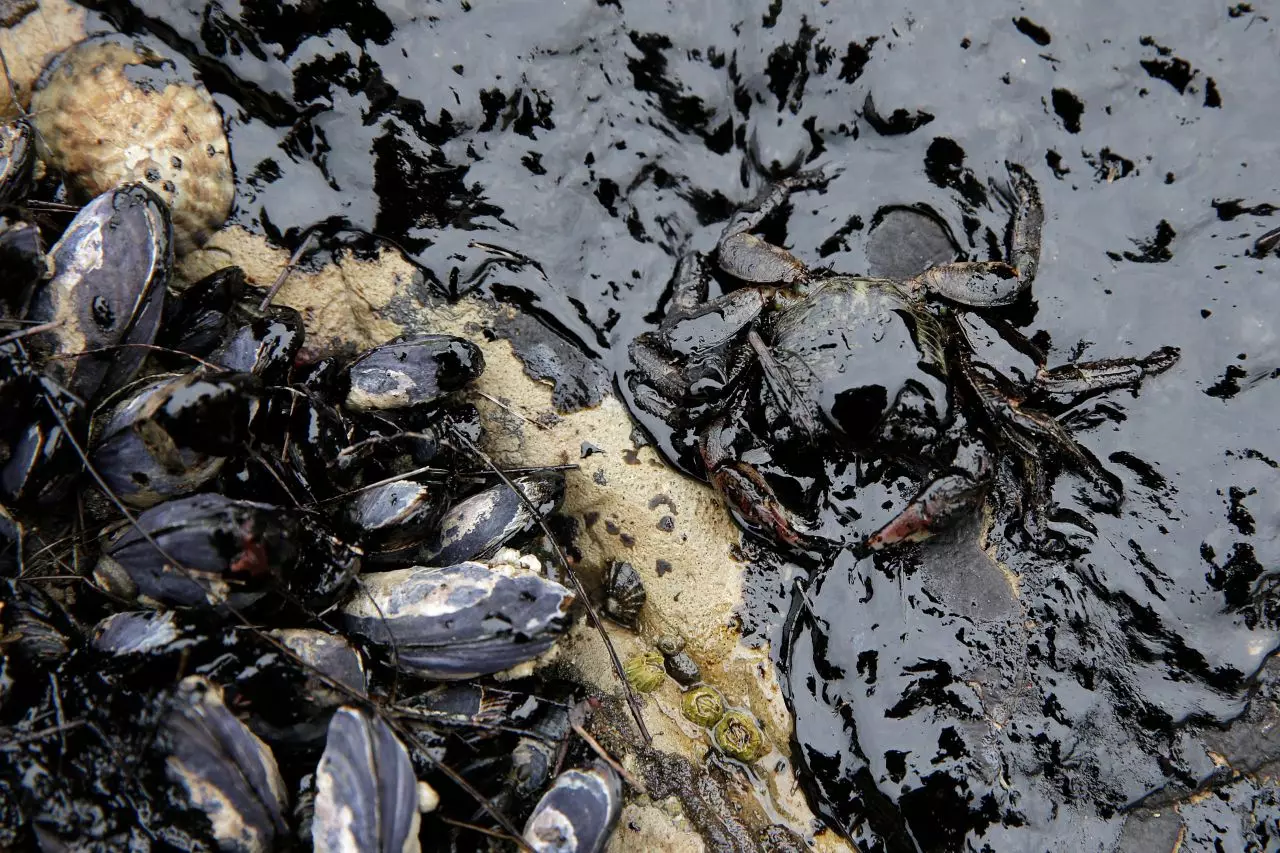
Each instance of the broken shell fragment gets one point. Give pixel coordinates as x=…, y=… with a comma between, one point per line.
x=225, y=770
x=645, y=671
x=457, y=622
x=110, y=109
x=367, y=798
x=578, y=813
x=413, y=372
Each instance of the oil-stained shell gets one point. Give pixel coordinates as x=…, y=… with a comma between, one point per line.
x=172, y=436
x=683, y=668
x=477, y=527
x=394, y=516
x=232, y=552
x=17, y=159
x=266, y=346
x=43, y=462
x=624, y=594
x=110, y=271
x=413, y=372
x=458, y=622
x=110, y=109
x=21, y=263
x=226, y=771
x=366, y=795
x=738, y=736
x=578, y=813
x=195, y=320
x=331, y=655
x=703, y=705
x=645, y=671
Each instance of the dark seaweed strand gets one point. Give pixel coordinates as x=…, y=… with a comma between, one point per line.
x=632, y=702
x=355, y=697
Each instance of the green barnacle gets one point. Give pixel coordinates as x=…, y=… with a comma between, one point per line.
x=738, y=736
x=645, y=671
x=703, y=705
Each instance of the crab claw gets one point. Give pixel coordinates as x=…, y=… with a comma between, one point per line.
x=756, y=506
x=936, y=508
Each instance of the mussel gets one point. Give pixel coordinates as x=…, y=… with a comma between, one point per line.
x=408, y=373
x=212, y=550
x=478, y=526
x=460, y=621
x=110, y=272
x=225, y=770
x=367, y=798
x=578, y=813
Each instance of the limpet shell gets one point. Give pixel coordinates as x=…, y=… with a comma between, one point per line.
x=624, y=594
x=110, y=110
x=645, y=671
x=702, y=705
x=738, y=736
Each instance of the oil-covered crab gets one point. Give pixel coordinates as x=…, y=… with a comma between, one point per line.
x=808, y=366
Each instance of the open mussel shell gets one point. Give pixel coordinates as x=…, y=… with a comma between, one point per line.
x=228, y=552
x=457, y=622
x=366, y=794
x=223, y=768
x=110, y=272
x=478, y=526
x=171, y=437
x=578, y=813
x=413, y=372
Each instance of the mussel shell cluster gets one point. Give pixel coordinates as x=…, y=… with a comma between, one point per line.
x=277, y=548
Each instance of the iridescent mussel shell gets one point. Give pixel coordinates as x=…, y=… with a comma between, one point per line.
x=366, y=795
x=478, y=526
x=225, y=771
x=196, y=320
x=578, y=813
x=624, y=594
x=457, y=622
x=645, y=671
x=266, y=346
x=111, y=109
x=109, y=275
x=411, y=372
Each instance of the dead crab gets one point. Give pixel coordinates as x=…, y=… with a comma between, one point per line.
x=877, y=367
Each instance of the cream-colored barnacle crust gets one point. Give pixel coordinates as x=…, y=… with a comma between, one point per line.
x=428, y=799
x=101, y=126
x=397, y=394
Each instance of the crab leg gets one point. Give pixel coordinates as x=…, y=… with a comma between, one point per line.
x=942, y=501
x=1091, y=376
x=750, y=258
x=749, y=497
x=782, y=388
